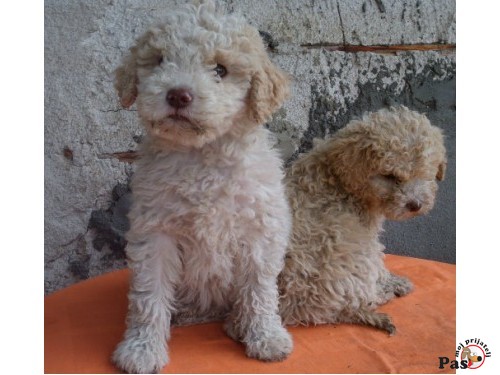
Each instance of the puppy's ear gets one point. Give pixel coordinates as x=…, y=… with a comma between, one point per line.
x=441, y=171
x=126, y=80
x=268, y=91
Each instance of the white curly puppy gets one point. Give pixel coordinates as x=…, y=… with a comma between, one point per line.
x=382, y=166
x=210, y=222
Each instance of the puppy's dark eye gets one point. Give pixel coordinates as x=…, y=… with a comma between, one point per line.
x=392, y=178
x=220, y=70
x=160, y=60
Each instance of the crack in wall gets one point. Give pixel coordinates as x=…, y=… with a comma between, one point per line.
x=341, y=24
x=380, y=6
x=394, y=48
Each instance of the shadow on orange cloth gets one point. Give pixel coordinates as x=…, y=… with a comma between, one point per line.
x=84, y=322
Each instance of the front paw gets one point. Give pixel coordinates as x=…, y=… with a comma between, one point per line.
x=140, y=355
x=274, y=344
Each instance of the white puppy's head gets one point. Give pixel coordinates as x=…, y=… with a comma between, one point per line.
x=391, y=160
x=200, y=75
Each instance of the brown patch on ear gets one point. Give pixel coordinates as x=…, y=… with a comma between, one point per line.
x=126, y=80
x=269, y=89
x=441, y=171
x=353, y=157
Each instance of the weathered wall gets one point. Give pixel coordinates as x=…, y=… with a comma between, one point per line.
x=88, y=136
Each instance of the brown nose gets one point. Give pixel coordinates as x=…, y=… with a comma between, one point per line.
x=179, y=98
x=413, y=206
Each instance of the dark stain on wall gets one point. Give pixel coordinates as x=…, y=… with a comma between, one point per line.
x=111, y=224
x=423, y=92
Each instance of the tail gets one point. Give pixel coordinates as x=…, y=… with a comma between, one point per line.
x=374, y=319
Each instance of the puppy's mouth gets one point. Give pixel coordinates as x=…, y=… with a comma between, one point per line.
x=178, y=117
x=179, y=121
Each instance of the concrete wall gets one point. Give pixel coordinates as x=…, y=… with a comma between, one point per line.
x=88, y=136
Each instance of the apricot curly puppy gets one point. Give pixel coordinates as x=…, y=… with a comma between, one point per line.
x=210, y=222
x=382, y=166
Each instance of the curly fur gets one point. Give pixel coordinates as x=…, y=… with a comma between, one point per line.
x=384, y=165
x=209, y=220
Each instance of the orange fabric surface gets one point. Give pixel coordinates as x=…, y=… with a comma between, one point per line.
x=84, y=322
